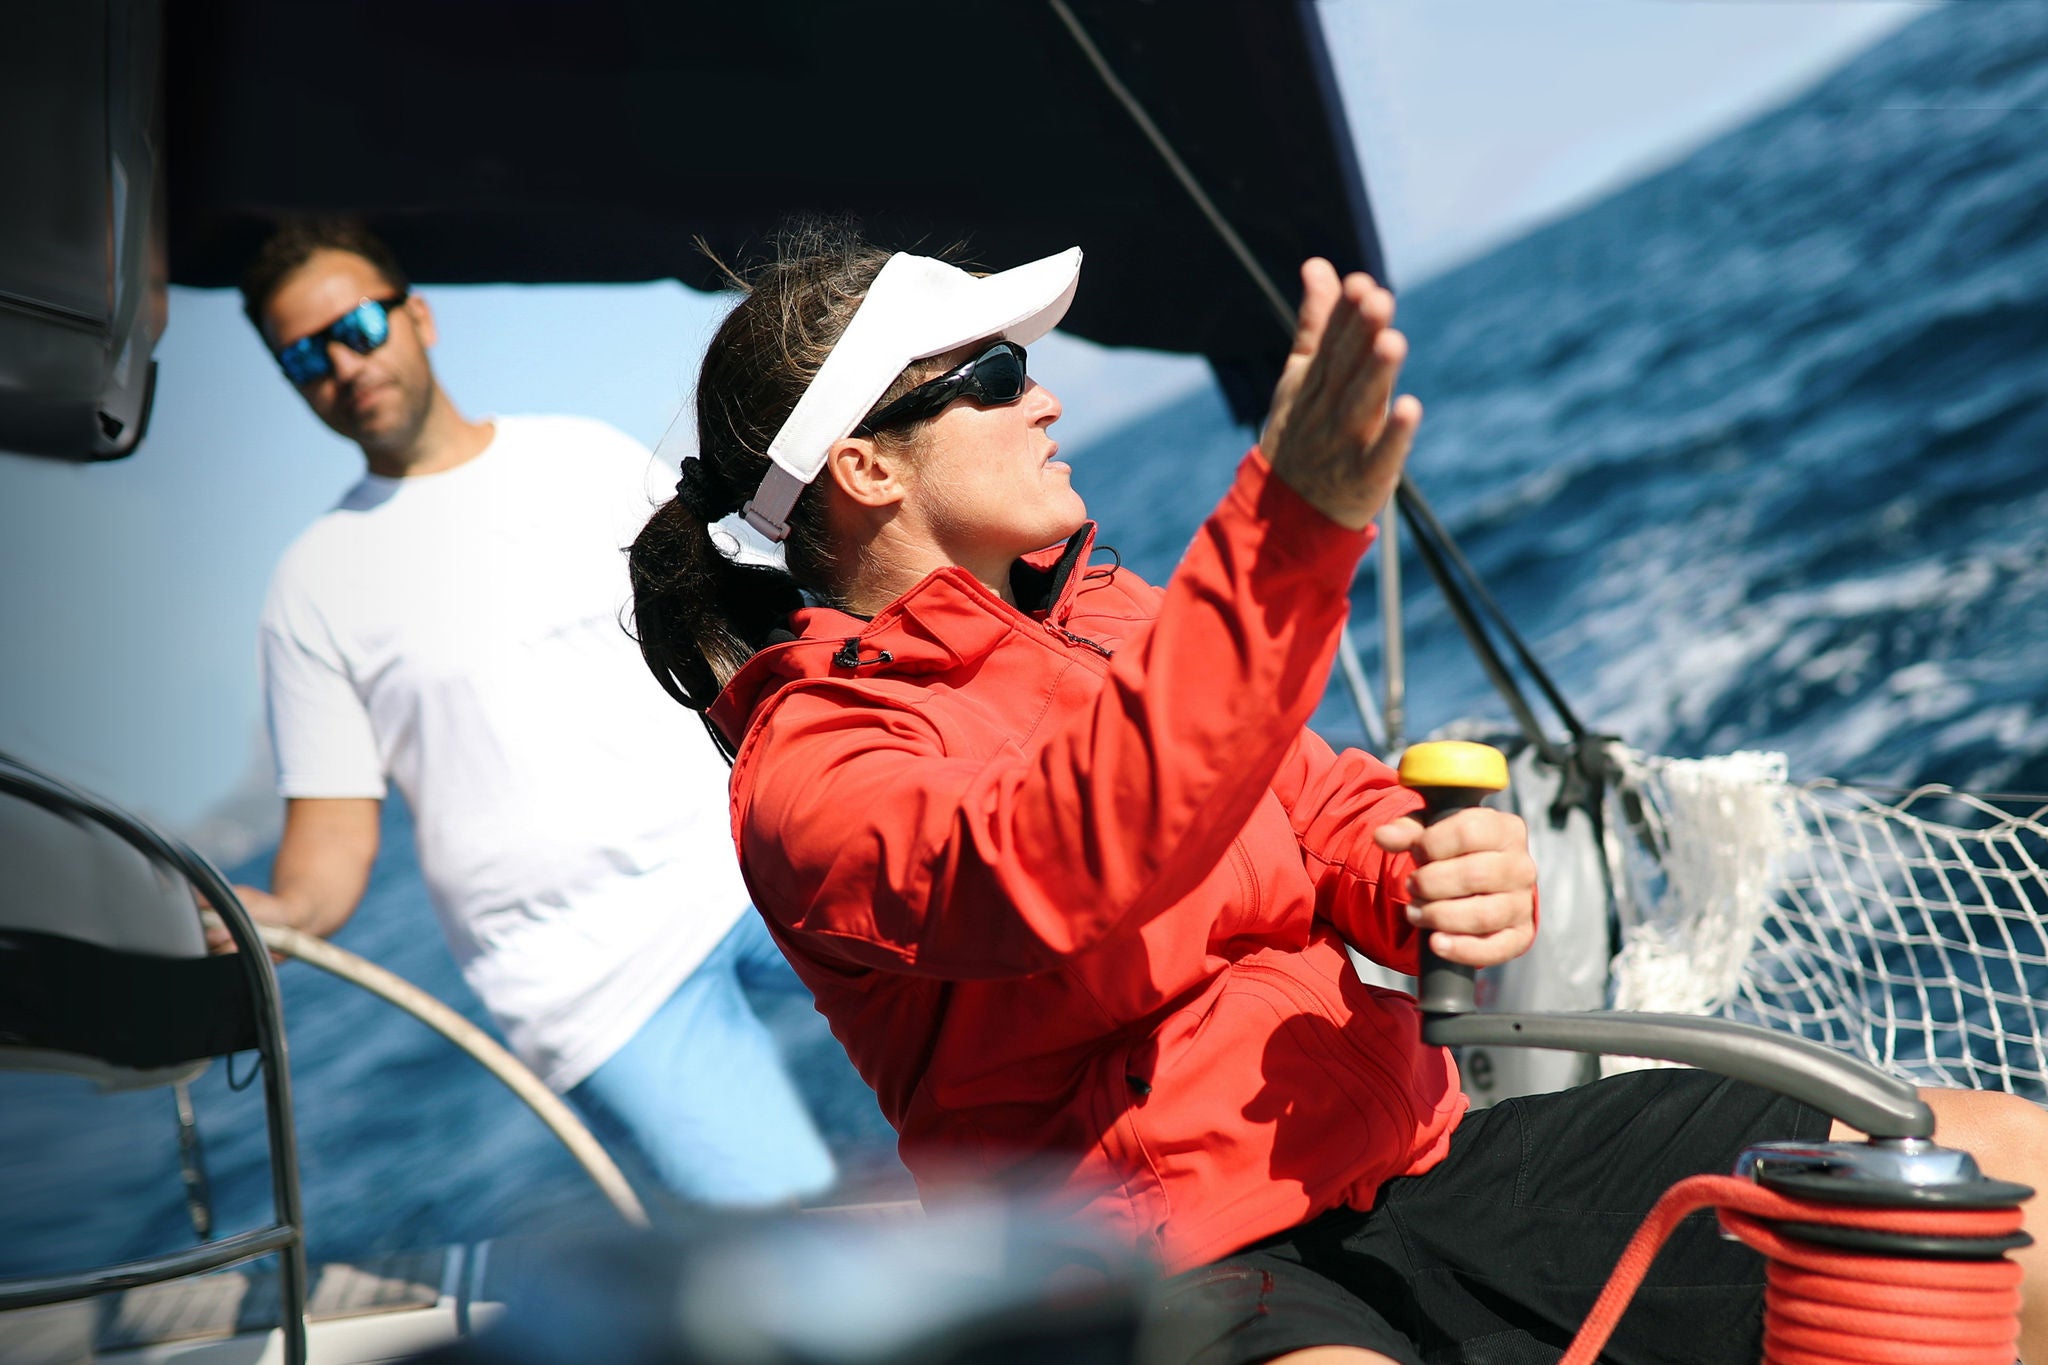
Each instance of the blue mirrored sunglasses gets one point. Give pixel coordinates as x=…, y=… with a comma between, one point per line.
x=362, y=329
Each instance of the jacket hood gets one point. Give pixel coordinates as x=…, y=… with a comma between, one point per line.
x=948, y=619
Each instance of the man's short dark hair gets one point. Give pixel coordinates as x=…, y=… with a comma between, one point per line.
x=293, y=244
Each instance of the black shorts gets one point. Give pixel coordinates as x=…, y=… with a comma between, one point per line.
x=1496, y=1255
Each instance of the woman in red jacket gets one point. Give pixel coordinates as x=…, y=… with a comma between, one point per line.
x=1070, y=878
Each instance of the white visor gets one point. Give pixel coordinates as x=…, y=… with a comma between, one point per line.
x=917, y=307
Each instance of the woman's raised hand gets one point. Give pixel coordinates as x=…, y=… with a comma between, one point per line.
x=1336, y=434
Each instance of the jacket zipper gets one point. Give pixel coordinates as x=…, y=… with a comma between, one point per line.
x=849, y=655
x=1082, y=640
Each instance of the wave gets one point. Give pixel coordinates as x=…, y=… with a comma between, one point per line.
x=1755, y=450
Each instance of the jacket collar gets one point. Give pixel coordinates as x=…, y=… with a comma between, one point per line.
x=1045, y=581
x=948, y=619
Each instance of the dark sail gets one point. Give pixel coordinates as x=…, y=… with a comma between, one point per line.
x=548, y=142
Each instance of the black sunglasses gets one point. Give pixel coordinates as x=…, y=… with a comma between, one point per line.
x=994, y=377
x=362, y=329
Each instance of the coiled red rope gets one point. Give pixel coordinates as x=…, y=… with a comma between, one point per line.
x=1825, y=1307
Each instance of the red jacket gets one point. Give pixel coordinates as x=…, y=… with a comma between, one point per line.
x=1071, y=884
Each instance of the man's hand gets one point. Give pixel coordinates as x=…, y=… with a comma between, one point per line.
x=322, y=865
x=1336, y=435
x=263, y=907
x=1474, y=886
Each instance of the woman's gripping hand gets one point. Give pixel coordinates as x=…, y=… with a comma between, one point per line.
x=1473, y=890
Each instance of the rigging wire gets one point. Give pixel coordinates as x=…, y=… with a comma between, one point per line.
x=1380, y=731
x=1418, y=509
x=1421, y=519
x=1383, y=730
x=1489, y=658
x=1180, y=170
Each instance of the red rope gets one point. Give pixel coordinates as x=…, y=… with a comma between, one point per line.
x=1826, y=1307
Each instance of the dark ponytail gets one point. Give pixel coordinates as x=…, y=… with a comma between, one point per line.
x=698, y=614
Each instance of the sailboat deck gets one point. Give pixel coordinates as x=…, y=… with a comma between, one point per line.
x=240, y=1302
x=232, y=1302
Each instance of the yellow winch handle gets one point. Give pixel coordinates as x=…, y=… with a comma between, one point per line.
x=1453, y=763
x=1451, y=774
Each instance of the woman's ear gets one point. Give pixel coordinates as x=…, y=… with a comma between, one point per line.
x=867, y=474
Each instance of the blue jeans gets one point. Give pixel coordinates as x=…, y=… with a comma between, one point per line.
x=700, y=1094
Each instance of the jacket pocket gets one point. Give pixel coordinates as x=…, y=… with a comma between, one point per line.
x=1355, y=1043
x=1121, y=1090
x=1262, y=1081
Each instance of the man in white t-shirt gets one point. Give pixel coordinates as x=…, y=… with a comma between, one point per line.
x=453, y=627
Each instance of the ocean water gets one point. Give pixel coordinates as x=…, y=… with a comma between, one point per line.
x=403, y=1142
x=1755, y=452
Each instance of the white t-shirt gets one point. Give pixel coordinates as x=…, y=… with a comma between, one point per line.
x=460, y=633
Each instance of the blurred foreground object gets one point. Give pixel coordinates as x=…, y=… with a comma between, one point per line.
x=104, y=974
x=981, y=1283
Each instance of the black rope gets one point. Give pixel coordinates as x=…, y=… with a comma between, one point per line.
x=1417, y=510
x=248, y=1080
x=1482, y=646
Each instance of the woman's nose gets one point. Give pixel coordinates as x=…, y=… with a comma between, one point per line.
x=1045, y=404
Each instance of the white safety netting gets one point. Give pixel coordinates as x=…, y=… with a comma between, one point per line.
x=1912, y=932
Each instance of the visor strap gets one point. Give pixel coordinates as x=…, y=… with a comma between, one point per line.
x=769, y=509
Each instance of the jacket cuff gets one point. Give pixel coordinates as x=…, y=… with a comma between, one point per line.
x=1289, y=532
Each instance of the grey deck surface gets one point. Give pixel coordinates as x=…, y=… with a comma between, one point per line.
x=234, y=1301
